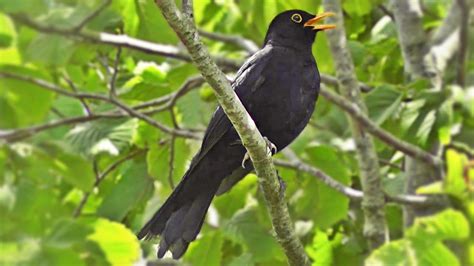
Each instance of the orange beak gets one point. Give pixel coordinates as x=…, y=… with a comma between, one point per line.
x=312, y=22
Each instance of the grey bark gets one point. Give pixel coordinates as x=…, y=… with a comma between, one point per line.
x=374, y=200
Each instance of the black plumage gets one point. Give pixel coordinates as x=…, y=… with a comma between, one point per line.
x=278, y=86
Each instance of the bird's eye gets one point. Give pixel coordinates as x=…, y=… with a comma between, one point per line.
x=296, y=18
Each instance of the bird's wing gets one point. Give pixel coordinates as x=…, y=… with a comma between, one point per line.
x=248, y=79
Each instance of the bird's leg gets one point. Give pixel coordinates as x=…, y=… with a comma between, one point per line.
x=271, y=148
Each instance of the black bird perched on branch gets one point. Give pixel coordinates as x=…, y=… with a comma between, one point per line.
x=278, y=86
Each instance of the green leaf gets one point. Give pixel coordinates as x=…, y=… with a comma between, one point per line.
x=357, y=7
x=158, y=160
x=132, y=188
x=383, y=102
x=422, y=243
x=230, y=202
x=245, y=229
x=206, y=250
x=75, y=170
x=50, y=50
x=322, y=204
x=119, y=244
x=24, y=97
x=454, y=182
x=321, y=250
x=67, y=232
x=108, y=136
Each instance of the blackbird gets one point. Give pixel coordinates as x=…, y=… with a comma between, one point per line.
x=278, y=86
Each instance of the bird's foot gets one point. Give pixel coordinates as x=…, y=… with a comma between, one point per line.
x=246, y=158
x=271, y=148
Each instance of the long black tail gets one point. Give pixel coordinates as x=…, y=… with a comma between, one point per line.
x=179, y=220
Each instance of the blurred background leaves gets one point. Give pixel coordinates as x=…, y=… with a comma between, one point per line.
x=77, y=194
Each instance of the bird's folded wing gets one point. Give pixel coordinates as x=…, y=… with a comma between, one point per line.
x=248, y=79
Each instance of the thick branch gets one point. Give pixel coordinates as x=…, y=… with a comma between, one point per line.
x=245, y=127
x=374, y=199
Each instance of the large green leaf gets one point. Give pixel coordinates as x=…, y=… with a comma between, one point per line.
x=322, y=204
x=244, y=228
x=29, y=102
x=422, y=243
x=118, y=243
x=133, y=187
x=206, y=250
x=382, y=103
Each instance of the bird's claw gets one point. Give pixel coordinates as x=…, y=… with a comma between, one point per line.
x=246, y=158
x=273, y=149
x=271, y=146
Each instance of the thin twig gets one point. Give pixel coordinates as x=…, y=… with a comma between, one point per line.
x=74, y=89
x=113, y=78
x=171, y=162
x=249, y=46
x=100, y=177
x=92, y=15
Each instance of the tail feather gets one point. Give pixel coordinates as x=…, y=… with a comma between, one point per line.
x=179, y=220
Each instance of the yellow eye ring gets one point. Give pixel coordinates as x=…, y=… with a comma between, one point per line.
x=296, y=18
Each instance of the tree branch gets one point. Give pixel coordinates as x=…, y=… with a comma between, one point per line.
x=245, y=127
x=92, y=15
x=375, y=228
x=13, y=135
x=159, y=49
x=356, y=113
x=296, y=164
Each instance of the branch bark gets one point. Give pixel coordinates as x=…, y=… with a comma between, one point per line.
x=245, y=127
x=422, y=60
x=375, y=228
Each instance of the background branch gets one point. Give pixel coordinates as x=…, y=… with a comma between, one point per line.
x=375, y=228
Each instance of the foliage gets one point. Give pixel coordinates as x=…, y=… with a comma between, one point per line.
x=76, y=194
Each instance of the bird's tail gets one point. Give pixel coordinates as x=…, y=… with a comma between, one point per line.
x=179, y=220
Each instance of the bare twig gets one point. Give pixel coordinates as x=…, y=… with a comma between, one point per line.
x=113, y=78
x=171, y=162
x=122, y=41
x=387, y=12
x=74, y=89
x=249, y=46
x=92, y=15
x=101, y=176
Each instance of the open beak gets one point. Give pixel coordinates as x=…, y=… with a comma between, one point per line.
x=312, y=22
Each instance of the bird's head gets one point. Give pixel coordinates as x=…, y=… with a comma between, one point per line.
x=296, y=28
